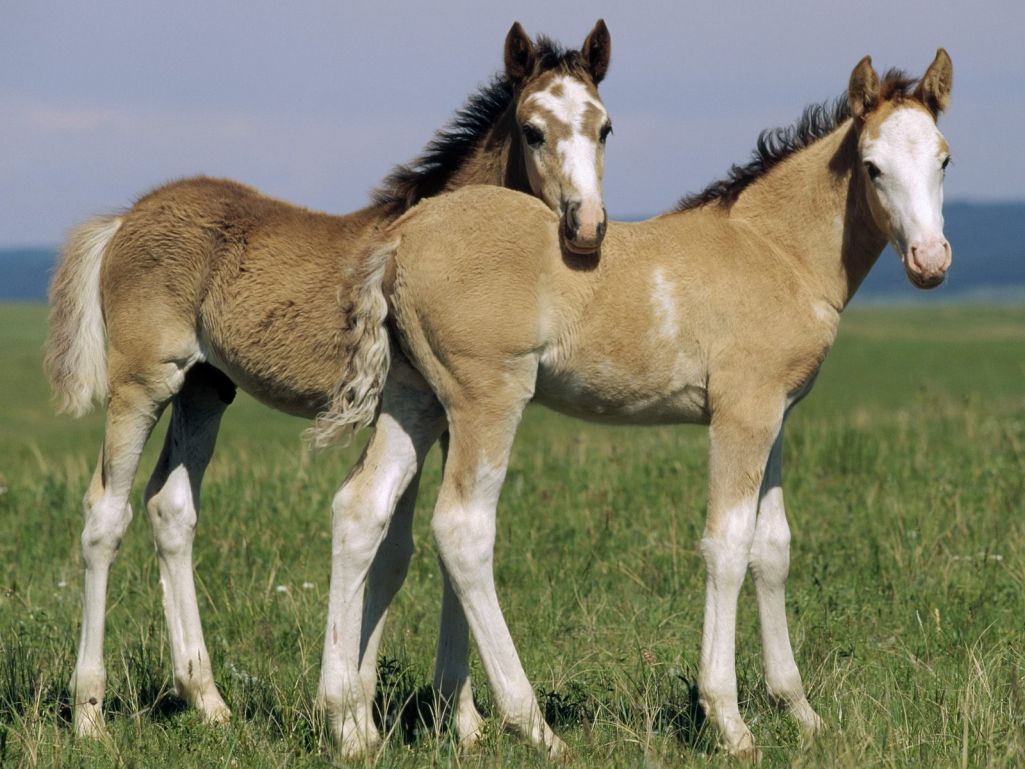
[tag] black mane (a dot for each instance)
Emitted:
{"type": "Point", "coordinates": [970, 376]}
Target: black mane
{"type": "Point", "coordinates": [777, 144]}
{"type": "Point", "coordinates": [428, 174]}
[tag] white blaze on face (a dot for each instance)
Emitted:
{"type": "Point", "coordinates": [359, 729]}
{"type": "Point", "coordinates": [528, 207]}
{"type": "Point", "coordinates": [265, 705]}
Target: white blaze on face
{"type": "Point", "coordinates": [578, 118]}
{"type": "Point", "coordinates": [908, 150]}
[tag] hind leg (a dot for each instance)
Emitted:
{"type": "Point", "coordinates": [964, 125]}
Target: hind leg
{"type": "Point", "coordinates": [387, 573]}
{"type": "Point", "coordinates": [409, 423]}
{"type": "Point", "coordinates": [452, 665]}
{"type": "Point", "coordinates": [172, 502]}
{"type": "Point", "coordinates": [452, 670]}
{"type": "Point", "coordinates": [133, 410]}
{"type": "Point", "coordinates": [452, 660]}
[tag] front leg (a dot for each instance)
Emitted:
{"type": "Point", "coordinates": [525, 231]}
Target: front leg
{"type": "Point", "coordinates": [770, 563]}
{"type": "Point", "coordinates": [741, 440]}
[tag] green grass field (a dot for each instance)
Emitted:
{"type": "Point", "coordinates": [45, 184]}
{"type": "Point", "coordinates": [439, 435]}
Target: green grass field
{"type": "Point", "coordinates": [905, 483]}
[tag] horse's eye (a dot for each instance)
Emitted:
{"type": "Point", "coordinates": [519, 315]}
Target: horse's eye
{"type": "Point", "coordinates": [946, 162]}
{"type": "Point", "coordinates": [873, 170]}
{"type": "Point", "coordinates": [605, 131]}
{"type": "Point", "coordinates": [533, 135]}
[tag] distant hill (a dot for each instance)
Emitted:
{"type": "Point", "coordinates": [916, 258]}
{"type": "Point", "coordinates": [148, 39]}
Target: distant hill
{"type": "Point", "coordinates": [25, 273]}
{"type": "Point", "coordinates": [988, 241]}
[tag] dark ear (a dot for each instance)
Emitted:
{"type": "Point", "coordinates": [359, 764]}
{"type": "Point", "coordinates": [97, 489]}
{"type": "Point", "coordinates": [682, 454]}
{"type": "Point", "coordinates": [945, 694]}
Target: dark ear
{"type": "Point", "coordinates": [519, 55]}
{"type": "Point", "coordinates": [934, 88]}
{"type": "Point", "coordinates": [597, 50]}
{"type": "Point", "coordinates": [863, 90]}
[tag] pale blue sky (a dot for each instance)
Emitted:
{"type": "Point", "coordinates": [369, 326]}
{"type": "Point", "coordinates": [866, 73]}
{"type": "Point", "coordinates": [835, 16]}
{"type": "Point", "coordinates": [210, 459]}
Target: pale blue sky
{"type": "Point", "coordinates": [315, 101]}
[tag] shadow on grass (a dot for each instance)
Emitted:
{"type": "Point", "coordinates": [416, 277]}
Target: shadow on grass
{"type": "Point", "coordinates": [403, 706]}
{"type": "Point", "coordinates": [667, 706]}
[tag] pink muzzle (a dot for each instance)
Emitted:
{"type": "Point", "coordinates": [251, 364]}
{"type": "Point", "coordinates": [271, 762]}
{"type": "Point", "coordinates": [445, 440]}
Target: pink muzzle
{"type": "Point", "coordinates": [927, 262]}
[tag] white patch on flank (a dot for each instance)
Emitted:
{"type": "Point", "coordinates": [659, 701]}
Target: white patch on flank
{"type": "Point", "coordinates": [663, 301]}
{"type": "Point", "coordinates": [908, 152]}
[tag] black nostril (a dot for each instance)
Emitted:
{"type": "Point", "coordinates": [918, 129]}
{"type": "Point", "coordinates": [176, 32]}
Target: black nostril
{"type": "Point", "coordinates": [572, 219]}
{"type": "Point", "coordinates": [573, 214]}
{"type": "Point", "coordinates": [604, 223]}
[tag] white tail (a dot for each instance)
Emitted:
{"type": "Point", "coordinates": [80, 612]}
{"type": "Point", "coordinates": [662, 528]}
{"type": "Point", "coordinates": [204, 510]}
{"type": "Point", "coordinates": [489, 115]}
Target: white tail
{"type": "Point", "coordinates": [76, 348]}
{"type": "Point", "coordinates": [356, 396]}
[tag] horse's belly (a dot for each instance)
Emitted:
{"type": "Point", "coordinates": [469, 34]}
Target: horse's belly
{"type": "Point", "coordinates": [279, 334]}
{"type": "Point", "coordinates": [286, 349]}
{"type": "Point", "coordinates": [604, 392]}
{"type": "Point", "coordinates": [292, 383]}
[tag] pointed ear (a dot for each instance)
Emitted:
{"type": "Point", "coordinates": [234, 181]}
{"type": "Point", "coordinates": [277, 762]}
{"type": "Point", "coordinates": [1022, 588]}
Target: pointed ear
{"type": "Point", "coordinates": [519, 55]}
{"type": "Point", "coordinates": [863, 90]}
{"type": "Point", "coordinates": [597, 50]}
{"type": "Point", "coordinates": [934, 88]}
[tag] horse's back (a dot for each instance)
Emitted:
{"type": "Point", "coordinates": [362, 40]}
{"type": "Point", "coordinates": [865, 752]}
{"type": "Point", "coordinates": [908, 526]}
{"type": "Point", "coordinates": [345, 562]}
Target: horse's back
{"type": "Point", "coordinates": [173, 241]}
{"type": "Point", "coordinates": [157, 268]}
{"type": "Point", "coordinates": [250, 282]}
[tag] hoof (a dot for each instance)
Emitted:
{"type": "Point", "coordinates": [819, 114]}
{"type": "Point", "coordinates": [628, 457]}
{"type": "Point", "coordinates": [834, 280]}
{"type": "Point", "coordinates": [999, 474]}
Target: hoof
{"type": "Point", "coordinates": [745, 749]}
{"type": "Point", "coordinates": [812, 727]}
{"type": "Point", "coordinates": [216, 714]}
{"type": "Point", "coordinates": [89, 723]}
{"type": "Point", "coordinates": [357, 750]}
{"type": "Point", "coordinates": [559, 751]}
{"type": "Point", "coordinates": [469, 728]}
{"type": "Point", "coordinates": [357, 743]}
{"type": "Point", "coordinates": [208, 702]}
{"type": "Point", "coordinates": [808, 720]}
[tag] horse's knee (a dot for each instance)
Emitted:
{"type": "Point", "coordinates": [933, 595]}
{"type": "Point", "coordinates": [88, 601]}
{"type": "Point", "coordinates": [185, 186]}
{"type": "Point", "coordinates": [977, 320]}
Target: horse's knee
{"type": "Point", "coordinates": [770, 551]}
{"type": "Point", "coordinates": [465, 541]}
{"type": "Point", "coordinates": [770, 559]}
{"type": "Point", "coordinates": [727, 555]}
{"type": "Point", "coordinates": [105, 524]}
{"type": "Point", "coordinates": [360, 516]}
{"type": "Point", "coordinates": [172, 513]}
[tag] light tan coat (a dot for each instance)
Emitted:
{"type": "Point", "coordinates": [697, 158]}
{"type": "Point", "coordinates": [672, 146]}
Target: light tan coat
{"type": "Point", "coordinates": [719, 313]}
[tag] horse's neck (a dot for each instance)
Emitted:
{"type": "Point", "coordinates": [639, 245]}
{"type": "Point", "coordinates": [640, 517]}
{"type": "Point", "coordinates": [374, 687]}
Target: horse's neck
{"type": "Point", "coordinates": [812, 209]}
{"type": "Point", "coordinates": [496, 160]}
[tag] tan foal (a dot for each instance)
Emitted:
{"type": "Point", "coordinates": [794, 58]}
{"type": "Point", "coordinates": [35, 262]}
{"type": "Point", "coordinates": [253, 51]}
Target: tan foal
{"type": "Point", "coordinates": [718, 313]}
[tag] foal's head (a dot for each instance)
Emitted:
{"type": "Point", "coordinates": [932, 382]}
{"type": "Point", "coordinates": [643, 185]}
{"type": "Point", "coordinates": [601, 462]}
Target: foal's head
{"type": "Point", "coordinates": [562, 128]}
{"type": "Point", "coordinates": [904, 158]}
